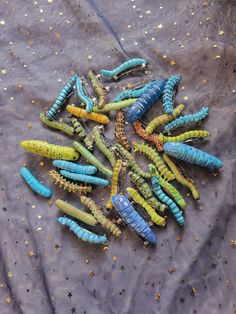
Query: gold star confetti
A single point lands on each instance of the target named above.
(129, 85)
(8, 300)
(157, 296)
(20, 85)
(160, 26)
(9, 274)
(41, 163)
(204, 82)
(221, 33)
(31, 253)
(2, 22)
(186, 98)
(172, 62)
(4, 71)
(233, 243)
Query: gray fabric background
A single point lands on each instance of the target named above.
(41, 43)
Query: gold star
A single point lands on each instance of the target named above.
(8, 300)
(221, 33)
(129, 85)
(233, 243)
(20, 85)
(157, 296)
(4, 71)
(31, 253)
(160, 26)
(9, 274)
(186, 98)
(204, 82)
(41, 163)
(172, 62)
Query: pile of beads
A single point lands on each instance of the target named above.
(153, 194)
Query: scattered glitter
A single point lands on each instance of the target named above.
(1, 285)
(181, 46)
(175, 23)
(164, 56)
(186, 98)
(178, 239)
(157, 296)
(173, 38)
(86, 261)
(106, 248)
(171, 269)
(33, 206)
(140, 16)
(20, 85)
(2, 22)
(192, 13)
(193, 291)
(41, 163)
(160, 26)
(39, 229)
(172, 62)
(29, 125)
(9, 274)
(215, 46)
(221, 33)
(61, 13)
(41, 10)
(91, 273)
(217, 57)
(204, 82)
(129, 26)
(135, 43)
(153, 38)
(4, 71)
(114, 258)
(161, 7)
(59, 80)
(26, 242)
(90, 57)
(50, 1)
(188, 34)
(233, 91)
(148, 12)
(39, 216)
(122, 39)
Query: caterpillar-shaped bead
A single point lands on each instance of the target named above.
(73, 167)
(146, 191)
(81, 113)
(189, 135)
(131, 161)
(92, 159)
(157, 219)
(58, 125)
(99, 89)
(134, 93)
(84, 178)
(106, 151)
(76, 212)
(48, 150)
(192, 155)
(168, 93)
(169, 188)
(120, 130)
(127, 65)
(34, 184)
(79, 129)
(153, 155)
(133, 219)
(163, 119)
(82, 95)
(145, 101)
(67, 185)
(187, 119)
(115, 105)
(100, 216)
(114, 182)
(165, 199)
(189, 183)
(139, 130)
(62, 98)
(82, 233)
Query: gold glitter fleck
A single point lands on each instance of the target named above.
(20, 85)
(41, 163)
(105, 248)
(172, 62)
(2, 22)
(26, 242)
(157, 296)
(178, 239)
(217, 57)
(39, 216)
(160, 26)
(33, 206)
(31, 253)
(50, 1)
(87, 261)
(50, 202)
(4, 71)
(9, 274)
(221, 33)
(39, 229)
(204, 82)
(90, 57)
(29, 125)
(233, 243)
(91, 273)
(8, 300)
(193, 291)
(171, 269)
(164, 56)
(114, 258)
(192, 13)
(186, 98)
